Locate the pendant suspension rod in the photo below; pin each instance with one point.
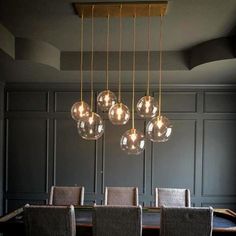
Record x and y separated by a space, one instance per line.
134 48
148 69
81 56
92 59
160 64
120 37
108 35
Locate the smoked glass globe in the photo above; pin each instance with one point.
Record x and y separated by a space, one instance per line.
132 142
159 129
119 114
106 99
147 107
80 110
91 127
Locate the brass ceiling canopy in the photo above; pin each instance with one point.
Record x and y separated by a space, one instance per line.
129 9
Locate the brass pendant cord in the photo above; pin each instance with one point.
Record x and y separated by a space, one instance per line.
108 34
160 64
120 37
134 48
81 56
148 69
92 59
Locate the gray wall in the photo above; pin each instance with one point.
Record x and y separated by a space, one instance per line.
1 144
44 149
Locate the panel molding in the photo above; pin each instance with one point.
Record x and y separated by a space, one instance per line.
45 109
228 94
144 192
203 157
95 157
57 110
177 94
7 159
194 159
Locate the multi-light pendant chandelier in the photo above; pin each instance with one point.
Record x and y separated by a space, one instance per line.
90 125
119 113
106 98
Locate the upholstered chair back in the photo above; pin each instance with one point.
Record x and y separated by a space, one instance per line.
66 196
117 221
50 220
173 197
121 196
189 221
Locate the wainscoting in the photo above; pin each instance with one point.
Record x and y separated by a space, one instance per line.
43 147
1 145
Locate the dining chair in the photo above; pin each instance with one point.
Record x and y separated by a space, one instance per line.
189 221
61 195
121 196
50 220
173 197
117 221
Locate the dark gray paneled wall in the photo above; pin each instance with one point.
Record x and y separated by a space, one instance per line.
1 144
44 149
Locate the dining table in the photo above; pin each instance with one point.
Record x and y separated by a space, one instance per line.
224 221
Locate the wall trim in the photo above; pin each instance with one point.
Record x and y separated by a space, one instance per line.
125 86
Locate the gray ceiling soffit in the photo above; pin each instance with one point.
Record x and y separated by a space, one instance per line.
36 51
47 54
233 43
172 60
213 50
7 41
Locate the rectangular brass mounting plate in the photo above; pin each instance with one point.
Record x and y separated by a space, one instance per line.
129 9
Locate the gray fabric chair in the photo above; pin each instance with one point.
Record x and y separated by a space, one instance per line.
117 221
189 221
121 196
66 196
172 197
50 221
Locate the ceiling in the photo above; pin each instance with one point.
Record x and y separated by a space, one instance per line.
41 41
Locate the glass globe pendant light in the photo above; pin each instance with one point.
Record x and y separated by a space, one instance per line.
80 109
106 98
91 127
147 106
159 128
133 141
119 113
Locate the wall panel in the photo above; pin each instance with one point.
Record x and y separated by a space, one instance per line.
64 100
220 102
75 158
1 144
27 101
179 101
174 161
119 168
43 148
27 159
219 158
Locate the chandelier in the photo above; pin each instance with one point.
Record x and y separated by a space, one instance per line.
90 125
